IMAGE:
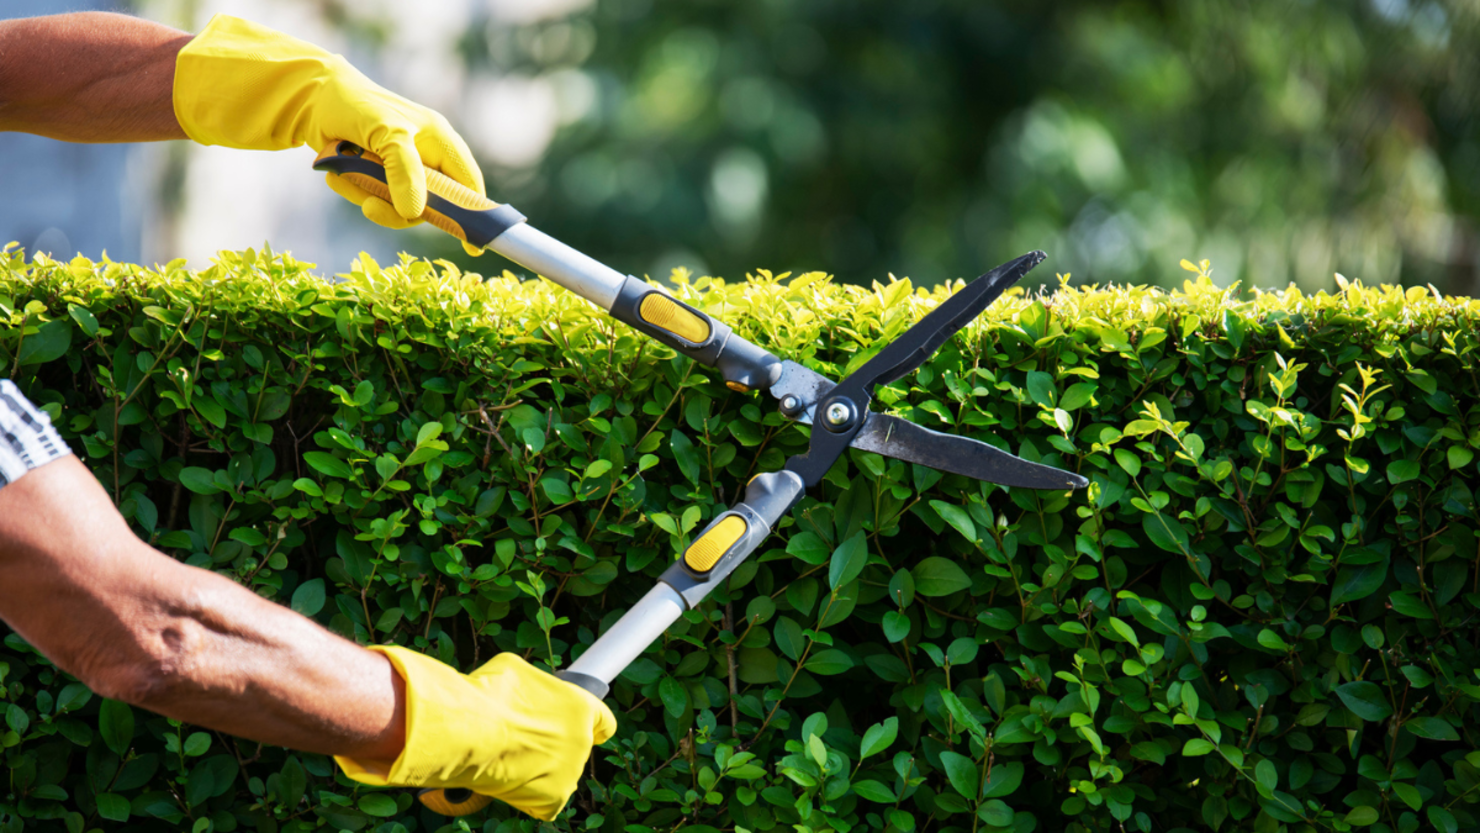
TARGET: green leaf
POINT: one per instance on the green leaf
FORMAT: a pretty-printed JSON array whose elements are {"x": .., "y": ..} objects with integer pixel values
[
  {"x": 1409, "y": 794},
  {"x": 49, "y": 792},
  {"x": 962, "y": 650},
  {"x": 937, "y": 576},
  {"x": 1266, "y": 775},
  {"x": 17, "y": 719},
  {"x": 1197, "y": 746},
  {"x": 961, "y": 772},
  {"x": 73, "y": 697},
  {"x": 1362, "y": 816},
  {"x": 428, "y": 432},
  {"x": 1433, "y": 728},
  {"x": 1365, "y": 699},
  {"x": 963, "y": 715},
  {"x": 956, "y": 517},
  {"x": 1004, "y": 779},
  {"x": 1356, "y": 583},
  {"x": 1166, "y": 532},
  {"x": 210, "y": 410},
  {"x": 293, "y": 782},
  {"x": 1409, "y": 605},
  {"x": 674, "y": 696},
  {"x": 873, "y": 791},
  {"x": 248, "y": 536},
  {"x": 1271, "y": 640},
  {"x": 1128, "y": 461},
  {"x": 378, "y": 805},
  {"x": 308, "y": 598},
  {"x": 199, "y": 480},
  {"x": 557, "y": 490},
  {"x": 879, "y": 737},
  {"x": 1442, "y": 820},
  {"x": 847, "y": 561},
  {"x": 326, "y": 463},
  {"x": 199, "y": 743},
  {"x": 113, "y": 807},
  {"x": 1459, "y": 456},
  {"x": 896, "y": 626},
  {"x": 685, "y": 454},
  {"x": 996, "y": 813},
  {"x": 902, "y": 588},
  {"x": 86, "y": 321},
  {"x": 1402, "y": 471},
  {"x": 807, "y": 547},
  {"x": 1078, "y": 395},
  {"x": 789, "y": 637},
  {"x": 116, "y": 726},
  {"x": 828, "y": 662},
  {"x": 1126, "y": 632},
  {"x": 1040, "y": 388},
  {"x": 48, "y": 343}
]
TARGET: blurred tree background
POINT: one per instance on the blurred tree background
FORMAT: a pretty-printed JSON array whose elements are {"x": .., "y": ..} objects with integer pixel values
[{"x": 1285, "y": 140}]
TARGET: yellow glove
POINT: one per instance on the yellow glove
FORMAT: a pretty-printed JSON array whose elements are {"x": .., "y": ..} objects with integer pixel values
[
  {"x": 508, "y": 730},
  {"x": 241, "y": 85}
]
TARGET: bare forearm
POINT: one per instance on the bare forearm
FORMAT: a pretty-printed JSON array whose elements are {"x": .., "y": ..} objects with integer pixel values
[
  {"x": 89, "y": 77},
  {"x": 140, "y": 627}
]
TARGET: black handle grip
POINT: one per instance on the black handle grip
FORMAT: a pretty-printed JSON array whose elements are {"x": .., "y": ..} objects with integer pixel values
[
  {"x": 597, "y": 688},
  {"x": 451, "y": 206}
]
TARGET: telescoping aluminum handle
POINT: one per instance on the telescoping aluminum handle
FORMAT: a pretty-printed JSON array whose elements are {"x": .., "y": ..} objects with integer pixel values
[
  {"x": 730, "y": 538},
  {"x": 479, "y": 221}
]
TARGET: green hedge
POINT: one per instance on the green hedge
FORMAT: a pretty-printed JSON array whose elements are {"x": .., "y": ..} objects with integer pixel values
[{"x": 1261, "y": 616}]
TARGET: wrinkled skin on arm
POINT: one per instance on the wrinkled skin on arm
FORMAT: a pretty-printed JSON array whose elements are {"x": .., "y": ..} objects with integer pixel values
[{"x": 136, "y": 625}]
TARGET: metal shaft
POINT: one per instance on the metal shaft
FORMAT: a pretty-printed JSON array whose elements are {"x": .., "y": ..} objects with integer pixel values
[
  {"x": 630, "y": 636},
  {"x": 544, "y": 255}
]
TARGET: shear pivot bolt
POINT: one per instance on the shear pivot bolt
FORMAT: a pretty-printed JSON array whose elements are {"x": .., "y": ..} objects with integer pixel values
[
  {"x": 838, "y": 415},
  {"x": 790, "y": 404}
]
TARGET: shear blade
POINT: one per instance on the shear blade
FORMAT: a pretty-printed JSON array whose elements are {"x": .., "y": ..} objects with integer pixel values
[
  {"x": 922, "y": 340},
  {"x": 904, "y": 440}
]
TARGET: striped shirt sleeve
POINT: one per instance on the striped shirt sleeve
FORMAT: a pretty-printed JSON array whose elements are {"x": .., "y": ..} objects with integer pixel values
[{"x": 27, "y": 438}]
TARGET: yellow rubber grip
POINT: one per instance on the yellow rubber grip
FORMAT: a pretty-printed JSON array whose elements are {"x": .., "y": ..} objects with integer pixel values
[
  {"x": 438, "y": 802},
  {"x": 438, "y": 184},
  {"x": 665, "y": 313},
  {"x": 704, "y": 553}
]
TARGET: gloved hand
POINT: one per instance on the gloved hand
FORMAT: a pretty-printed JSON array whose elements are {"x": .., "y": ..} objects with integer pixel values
[
  {"x": 241, "y": 85},
  {"x": 508, "y": 730}
]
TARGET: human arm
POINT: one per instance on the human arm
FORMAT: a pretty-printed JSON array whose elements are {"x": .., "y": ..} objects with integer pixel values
[
  {"x": 138, "y": 626},
  {"x": 89, "y": 77},
  {"x": 98, "y": 77}
]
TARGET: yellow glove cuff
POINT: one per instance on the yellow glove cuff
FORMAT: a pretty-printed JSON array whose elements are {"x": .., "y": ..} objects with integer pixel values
[
  {"x": 508, "y": 730},
  {"x": 236, "y": 80}
]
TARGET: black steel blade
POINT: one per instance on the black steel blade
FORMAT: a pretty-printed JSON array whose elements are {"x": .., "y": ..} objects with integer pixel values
[
  {"x": 904, "y": 440},
  {"x": 920, "y": 341},
  {"x": 852, "y": 396}
]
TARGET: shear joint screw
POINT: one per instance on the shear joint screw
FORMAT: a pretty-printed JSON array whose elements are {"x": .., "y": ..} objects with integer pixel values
[
  {"x": 838, "y": 415},
  {"x": 790, "y": 404}
]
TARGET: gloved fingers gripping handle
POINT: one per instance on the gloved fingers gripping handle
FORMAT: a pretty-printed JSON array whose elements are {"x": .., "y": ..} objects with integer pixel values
[
  {"x": 451, "y": 206},
  {"x": 462, "y": 802},
  {"x": 480, "y": 222}
]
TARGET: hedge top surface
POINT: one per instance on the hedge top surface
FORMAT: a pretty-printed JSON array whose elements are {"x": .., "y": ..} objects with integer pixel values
[{"x": 1260, "y": 614}]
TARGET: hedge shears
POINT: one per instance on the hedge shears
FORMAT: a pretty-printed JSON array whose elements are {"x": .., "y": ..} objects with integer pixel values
[{"x": 837, "y": 412}]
